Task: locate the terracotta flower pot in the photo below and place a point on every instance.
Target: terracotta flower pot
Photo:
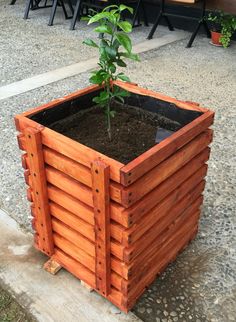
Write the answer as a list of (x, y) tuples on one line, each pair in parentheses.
[(215, 38), (114, 226)]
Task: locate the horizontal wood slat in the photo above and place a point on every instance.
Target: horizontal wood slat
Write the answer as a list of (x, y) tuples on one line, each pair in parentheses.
[(70, 203), (82, 193), (77, 171), (154, 156), (169, 255), (83, 258), (78, 152), (158, 174), (73, 236), (186, 189), (185, 218), (139, 209), (72, 221), (141, 244)]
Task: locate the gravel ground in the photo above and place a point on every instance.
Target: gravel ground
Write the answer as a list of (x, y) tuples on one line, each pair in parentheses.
[(36, 48), (10, 310), (200, 286)]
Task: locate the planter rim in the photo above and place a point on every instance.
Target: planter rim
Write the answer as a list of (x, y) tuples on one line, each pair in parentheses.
[(122, 173)]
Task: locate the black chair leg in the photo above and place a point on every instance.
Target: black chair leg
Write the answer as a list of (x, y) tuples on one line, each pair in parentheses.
[(64, 10), (29, 3), (154, 27), (136, 14), (145, 18), (194, 35), (13, 2), (76, 14), (53, 12), (206, 29), (169, 24), (71, 7)]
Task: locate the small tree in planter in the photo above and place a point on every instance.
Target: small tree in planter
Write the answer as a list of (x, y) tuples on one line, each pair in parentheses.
[(222, 28), (114, 222), (111, 56)]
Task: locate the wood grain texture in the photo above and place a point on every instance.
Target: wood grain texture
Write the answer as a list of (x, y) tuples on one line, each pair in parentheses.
[(77, 171), (154, 156), (165, 169), (101, 199), (139, 209), (39, 189)]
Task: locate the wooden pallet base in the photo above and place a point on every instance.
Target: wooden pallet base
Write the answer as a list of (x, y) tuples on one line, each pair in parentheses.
[(52, 266)]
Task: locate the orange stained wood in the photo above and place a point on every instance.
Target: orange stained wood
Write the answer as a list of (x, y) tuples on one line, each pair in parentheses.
[(101, 199), (141, 244), (73, 236), (165, 169), (168, 255), (162, 238), (77, 171), (39, 189), (154, 156), (133, 88), (70, 203), (81, 192), (144, 205), (137, 230)]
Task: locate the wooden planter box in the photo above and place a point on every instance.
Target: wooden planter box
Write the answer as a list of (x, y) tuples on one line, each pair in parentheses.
[(115, 226)]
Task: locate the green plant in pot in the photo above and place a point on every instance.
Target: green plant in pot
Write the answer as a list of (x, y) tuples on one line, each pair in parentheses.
[(222, 27), (114, 46)]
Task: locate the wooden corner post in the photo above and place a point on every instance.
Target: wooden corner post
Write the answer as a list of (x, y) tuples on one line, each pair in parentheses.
[(39, 189), (100, 185)]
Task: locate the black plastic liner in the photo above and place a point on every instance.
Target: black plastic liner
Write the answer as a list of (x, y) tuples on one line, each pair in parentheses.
[(166, 109)]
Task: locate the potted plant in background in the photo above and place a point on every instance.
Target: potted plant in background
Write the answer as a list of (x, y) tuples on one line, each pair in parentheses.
[(222, 28), (114, 199)]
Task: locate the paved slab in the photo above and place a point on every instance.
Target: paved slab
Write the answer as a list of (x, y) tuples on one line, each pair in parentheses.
[(40, 80), (48, 298)]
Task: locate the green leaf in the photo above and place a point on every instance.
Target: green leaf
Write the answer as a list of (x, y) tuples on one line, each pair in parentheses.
[(104, 29), (110, 51), (123, 77), (130, 56), (90, 42), (112, 113), (100, 16), (125, 41), (123, 93), (112, 68), (123, 7), (121, 63), (125, 26)]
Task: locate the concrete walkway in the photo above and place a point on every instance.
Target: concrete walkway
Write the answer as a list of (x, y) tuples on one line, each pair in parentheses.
[(48, 298)]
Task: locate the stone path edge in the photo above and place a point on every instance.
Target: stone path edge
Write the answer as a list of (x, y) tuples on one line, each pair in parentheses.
[(40, 80)]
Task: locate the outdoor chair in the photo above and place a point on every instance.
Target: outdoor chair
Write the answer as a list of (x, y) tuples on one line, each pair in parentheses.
[(200, 19), (98, 5), (39, 4)]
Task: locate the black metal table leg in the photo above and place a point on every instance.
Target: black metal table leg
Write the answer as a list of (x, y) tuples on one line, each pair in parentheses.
[(169, 24), (200, 23), (193, 35), (136, 14), (145, 18), (154, 27), (206, 29), (53, 12), (64, 9), (156, 23), (76, 14), (27, 8)]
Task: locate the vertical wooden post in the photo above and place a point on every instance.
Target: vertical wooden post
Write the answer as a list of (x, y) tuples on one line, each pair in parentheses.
[(39, 188), (100, 185)]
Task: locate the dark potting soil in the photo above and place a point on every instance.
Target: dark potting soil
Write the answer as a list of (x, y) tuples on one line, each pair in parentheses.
[(133, 130)]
